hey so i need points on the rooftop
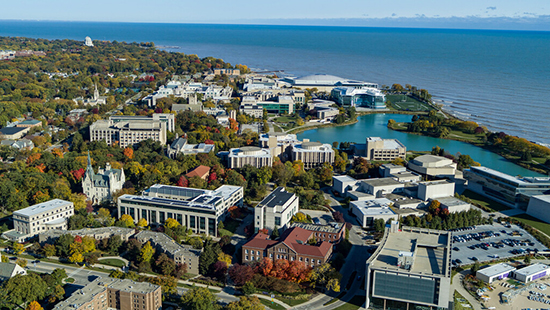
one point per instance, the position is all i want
(278, 197)
(381, 182)
(429, 247)
(496, 270)
(532, 270)
(375, 207)
(329, 228)
(30, 122)
(430, 159)
(545, 198)
(200, 171)
(515, 180)
(12, 130)
(166, 243)
(434, 183)
(451, 201)
(344, 178)
(43, 207)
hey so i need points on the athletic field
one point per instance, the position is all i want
(406, 103)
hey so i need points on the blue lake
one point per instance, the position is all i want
(375, 125)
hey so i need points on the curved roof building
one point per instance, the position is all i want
(325, 82)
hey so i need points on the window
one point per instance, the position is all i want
(246, 251)
(278, 221)
(252, 252)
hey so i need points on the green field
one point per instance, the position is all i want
(113, 262)
(291, 302)
(407, 103)
(274, 306)
(533, 222)
(484, 201)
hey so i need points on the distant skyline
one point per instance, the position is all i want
(483, 14)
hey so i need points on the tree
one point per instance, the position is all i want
(240, 274)
(142, 223)
(224, 258)
(249, 288)
(126, 221)
(146, 252)
(527, 260)
(88, 244)
(199, 298)
(129, 152)
(18, 248)
(171, 223)
(113, 244)
(34, 305)
(208, 257)
(57, 294)
(165, 264)
(219, 270)
(275, 233)
(22, 289)
(246, 303)
(76, 258)
(326, 276)
(475, 268)
(21, 262)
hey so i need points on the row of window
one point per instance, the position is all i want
(301, 259)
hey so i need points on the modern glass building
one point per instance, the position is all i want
(359, 97)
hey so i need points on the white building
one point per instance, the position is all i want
(198, 209)
(454, 204)
(312, 154)
(180, 146)
(100, 186)
(278, 142)
(367, 211)
(275, 210)
(539, 207)
(38, 218)
(344, 183)
(380, 149)
(129, 130)
(96, 99)
(531, 273)
(10, 270)
(434, 166)
(435, 189)
(367, 97)
(495, 272)
(252, 110)
(249, 155)
(325, 82)
(381, 186)
(88, 42)
(399, 173)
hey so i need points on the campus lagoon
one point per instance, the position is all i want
(375, 125)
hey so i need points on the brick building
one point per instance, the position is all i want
(332, 232)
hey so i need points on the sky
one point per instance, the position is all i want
(318, 12)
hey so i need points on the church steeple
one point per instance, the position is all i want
(96, 92)
(89, 169)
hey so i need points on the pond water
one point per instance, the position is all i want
(375, 125)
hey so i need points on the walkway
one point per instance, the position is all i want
(457, 285)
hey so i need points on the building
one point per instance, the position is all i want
(22, 144)
(201, 172)
(278, 142)
(30, 123)
(166, 118)
(129, 130)
(96, 99)
(381, 149)
(454, 204)
(252, 110)
(399, 173)
(539, 206)
(283, 105)
(312, 154)
(344, 183)
(88, 42)
(49, 236)
(332, 232)
(512, 191)
(495, 272)
(180, 107)
(249, 155)
(13, 133)
(367, 97)
(110, 293)
(180, 146)
(10, 270)
(366, 211)
(433, 166)
(38, 218)
(198, 209)
(101, 186)
(275, 210)
(381, 186)
(292, 246)
(181, 254)
(435, 189)
(531, 273)
(326, 112)
(411, 268)
(218, 71)
(326, 83)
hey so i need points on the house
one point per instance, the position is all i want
(332, 232)
(293, 246)
(10, 270)
(201, 172)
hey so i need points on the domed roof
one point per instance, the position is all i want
(325, 78)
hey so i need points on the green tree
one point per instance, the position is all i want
(379, 225)
(475, 267)
(113, 244)
(246, 303)
(199, 298)
(208, 256)
(249, 288)
(63, 245)
(275, 233)
(146, 253)
(326, 276)
(48, 250)
(18, 248)
(22, 289)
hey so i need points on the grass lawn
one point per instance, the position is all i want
(335, 299)
(355, 303)
(465, 136)
(277, 128)
(69, 280)
(229, 227)
(407, 103)
(274, 306)
(291, 302)
(112, 262)
(187, 286)
(285, 119)
(533, 222)
(484, 201)
(460, 300)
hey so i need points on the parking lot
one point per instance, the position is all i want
(490, 242)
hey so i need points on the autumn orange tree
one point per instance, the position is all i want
(293, 271)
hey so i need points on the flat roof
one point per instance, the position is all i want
(278, 197)
(344, 178)
(43, 207)
(381, 182)
(439, 182)
(429, 158)
(429, 247)
(519, 181)
(532, 269)
(332, 227)
(545, 198)
(12, 130)
(496, 270)
(451, 201)
(379, 206)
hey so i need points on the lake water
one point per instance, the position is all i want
(375, 125)
(497, 78)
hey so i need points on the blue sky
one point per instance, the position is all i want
(261, 11)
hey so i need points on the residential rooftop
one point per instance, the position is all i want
(42, 207)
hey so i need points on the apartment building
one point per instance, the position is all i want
(275, 210)
(181, 254)
(38, 218)
(197, 209)
(110, 293)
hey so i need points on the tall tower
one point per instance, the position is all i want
(96, 93)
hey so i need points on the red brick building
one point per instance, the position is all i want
(331, 232)
(293, 245)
